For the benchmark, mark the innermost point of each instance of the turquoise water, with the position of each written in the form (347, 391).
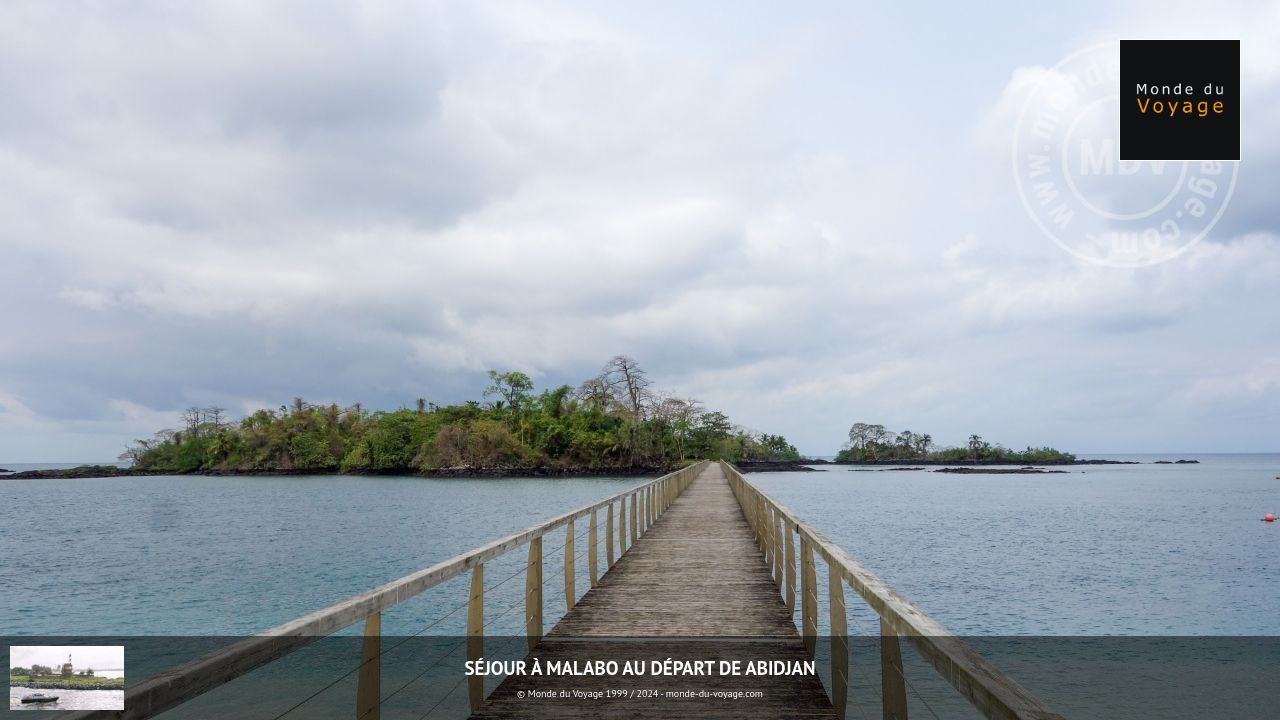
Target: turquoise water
(236, 555)
(1102, 550)
(1132, 549)
(1143, 550)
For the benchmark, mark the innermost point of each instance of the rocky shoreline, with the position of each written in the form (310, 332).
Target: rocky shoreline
(69, 686)
(750, 466)
(993, 468)
(75, 473)
(803, 465)
(746, 466)
(108, 471)
(999, 471)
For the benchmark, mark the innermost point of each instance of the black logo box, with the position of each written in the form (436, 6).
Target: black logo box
(1186, 69)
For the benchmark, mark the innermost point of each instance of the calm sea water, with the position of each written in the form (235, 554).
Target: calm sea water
(199, 556)
(1101, 550)
(69, 700)
(1138, 550)
(1121, 549)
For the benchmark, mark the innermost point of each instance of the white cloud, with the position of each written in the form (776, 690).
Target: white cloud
(380, 202)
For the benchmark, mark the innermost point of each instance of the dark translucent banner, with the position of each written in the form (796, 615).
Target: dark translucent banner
(433, 677)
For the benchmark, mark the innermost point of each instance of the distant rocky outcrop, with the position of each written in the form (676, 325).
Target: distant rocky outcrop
(462, 471)
(750, 466)
(83, 471)
(998, 471)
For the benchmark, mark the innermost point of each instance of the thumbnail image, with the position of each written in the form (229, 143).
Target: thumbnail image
(66, 677)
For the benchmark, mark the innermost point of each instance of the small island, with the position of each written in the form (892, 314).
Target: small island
(64, 677)
(615, 423)
(874, 444)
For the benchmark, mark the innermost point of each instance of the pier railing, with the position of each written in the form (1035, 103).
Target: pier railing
(777, 530)
(637, 509)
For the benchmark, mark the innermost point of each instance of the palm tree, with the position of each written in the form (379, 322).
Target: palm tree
(975, 444)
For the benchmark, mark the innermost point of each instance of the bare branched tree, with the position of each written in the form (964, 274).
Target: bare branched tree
(629, 381)
(215, 416)
(191, 418)
(594, 391)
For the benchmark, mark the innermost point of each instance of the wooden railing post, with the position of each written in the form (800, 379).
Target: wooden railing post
(643, 498)
(591, 550)
(893, 679)
(770, 557)
(760, 528)
(753, 512)
(764, 529)
(608, 537)
(649, 506)
(369, 684)
(791, 570)
(808, 597)
(635, 533)
(839, 644)
(475, 635)
(533, 594)
(569, 571)
(622, 527)
(776, 529)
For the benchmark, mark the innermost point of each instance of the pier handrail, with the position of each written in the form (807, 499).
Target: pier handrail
(170, 688)
(990, 691)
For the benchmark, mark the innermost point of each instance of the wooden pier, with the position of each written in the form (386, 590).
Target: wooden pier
(698, 563)
(696, 576)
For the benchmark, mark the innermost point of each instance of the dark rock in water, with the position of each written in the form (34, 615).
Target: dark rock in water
(898, 468)
(1106, 462)
(998, 471)
(1163, 462)
(750, 466)
(2, 470)
(1186, 462)
(83, 471)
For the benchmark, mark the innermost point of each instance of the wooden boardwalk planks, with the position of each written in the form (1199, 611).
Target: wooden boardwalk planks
(691, 587)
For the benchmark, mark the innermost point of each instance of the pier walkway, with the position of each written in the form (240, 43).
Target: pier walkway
(698, 564)
(695, 583)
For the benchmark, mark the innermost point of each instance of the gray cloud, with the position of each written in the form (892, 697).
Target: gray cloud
(236, 204)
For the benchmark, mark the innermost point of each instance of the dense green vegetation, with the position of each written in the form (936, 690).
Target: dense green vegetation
(874, 443)
(613, 420)
(45, 673)
(21, 678)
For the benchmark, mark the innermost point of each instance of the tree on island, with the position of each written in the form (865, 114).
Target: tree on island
(874, 443)
(614, 420)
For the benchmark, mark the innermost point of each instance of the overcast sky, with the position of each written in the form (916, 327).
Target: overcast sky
(803, 215)
(101, 657)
